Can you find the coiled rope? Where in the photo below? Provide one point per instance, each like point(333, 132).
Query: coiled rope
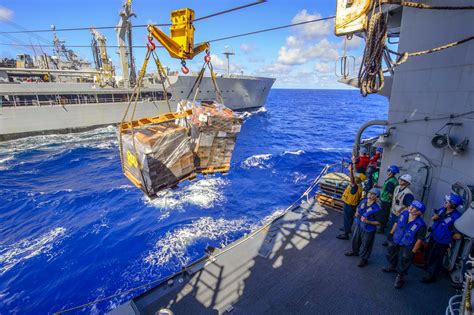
point(371, 78)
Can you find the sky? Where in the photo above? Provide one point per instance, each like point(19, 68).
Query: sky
point(298, 57)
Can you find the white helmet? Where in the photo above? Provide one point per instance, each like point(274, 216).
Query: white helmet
point(406, 177)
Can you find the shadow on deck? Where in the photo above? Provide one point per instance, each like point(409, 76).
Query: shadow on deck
point(294, 265)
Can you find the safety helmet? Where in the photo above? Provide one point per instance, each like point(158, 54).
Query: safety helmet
point(375, 191)
point(418, 205)
point(363, 150)
point(454, 199)
point(394, 169)
point(379, 150)
point(361, 177)
point(406, 177)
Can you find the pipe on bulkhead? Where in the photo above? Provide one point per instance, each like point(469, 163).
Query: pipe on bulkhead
point(355, 148)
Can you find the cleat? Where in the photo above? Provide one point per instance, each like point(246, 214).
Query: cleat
point(351, 254)
point(385, 244)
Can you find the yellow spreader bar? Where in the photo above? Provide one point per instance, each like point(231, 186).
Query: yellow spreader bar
point(154, 120)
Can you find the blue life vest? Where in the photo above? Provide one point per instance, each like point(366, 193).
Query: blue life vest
point(442, 228)
point(368, 212)
point(405, 233)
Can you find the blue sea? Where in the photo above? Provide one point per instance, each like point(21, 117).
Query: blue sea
point(73, 229)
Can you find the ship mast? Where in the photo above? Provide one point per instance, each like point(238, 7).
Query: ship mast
point(124, 42)
point(227, 54)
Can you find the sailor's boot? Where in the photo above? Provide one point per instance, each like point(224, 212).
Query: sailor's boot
point(399, 281)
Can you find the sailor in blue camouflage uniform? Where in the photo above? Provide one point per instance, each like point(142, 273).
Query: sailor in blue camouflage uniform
point(442, 233)
point(406, 238)
point(365, 226)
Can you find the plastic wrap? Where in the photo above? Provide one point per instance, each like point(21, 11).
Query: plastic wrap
point(163, 156)
point(214, 129)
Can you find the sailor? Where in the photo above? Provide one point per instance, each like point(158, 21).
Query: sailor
point(386, 195)
point(402, 198)
point(351, 198)
point(442, 233)
point(373, 167)
point(406, 238)
point(365, 226)
point(362, 160)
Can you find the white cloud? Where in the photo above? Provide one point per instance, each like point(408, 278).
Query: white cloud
point(324, 67)
point(294, 41)
point(291, 56)
point(5, 14)
point(220, 65)
point(312, 30)
point(246, 48)
point(324, 50)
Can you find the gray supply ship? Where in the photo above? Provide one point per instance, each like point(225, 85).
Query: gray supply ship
point(63, 93)
point(294, 264)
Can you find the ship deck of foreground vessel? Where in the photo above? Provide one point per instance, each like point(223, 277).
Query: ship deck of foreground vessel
point(294, 265)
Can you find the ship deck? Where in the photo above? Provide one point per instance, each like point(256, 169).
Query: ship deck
point(294, 265)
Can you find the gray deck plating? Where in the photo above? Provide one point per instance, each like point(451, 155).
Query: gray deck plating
point(295, 265)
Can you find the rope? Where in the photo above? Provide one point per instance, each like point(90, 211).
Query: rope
point(371, 78)
point(403, 57)
point(209, 41)
point(164, 78)
point(429, 7)
point(271, 29)
point(133, 26)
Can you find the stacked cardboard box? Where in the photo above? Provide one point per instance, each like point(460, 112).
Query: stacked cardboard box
point(160, 157)
point(214, 133)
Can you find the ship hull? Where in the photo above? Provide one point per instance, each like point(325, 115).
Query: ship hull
point(19, 121)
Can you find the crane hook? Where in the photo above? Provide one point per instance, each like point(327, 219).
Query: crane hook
point(150, 45)
point(184, 69)
point(207, 57)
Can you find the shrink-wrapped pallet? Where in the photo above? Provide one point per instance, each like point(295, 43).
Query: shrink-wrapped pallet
point(214, 133)
point(160, 157)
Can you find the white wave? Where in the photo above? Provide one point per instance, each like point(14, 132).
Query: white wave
point(11, 255)
point(298, 177)
point(298, 152)
point(250, 114)
point(258, 161)
point(175, 243)
point(204, 193)
point(4, 160)
point(100, 138)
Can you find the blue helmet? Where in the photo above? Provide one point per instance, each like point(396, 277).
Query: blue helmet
point(363, 150)
point(394, 169)
point(379, 150)
point(418, 205)
point(454, 199)
point(375, 191)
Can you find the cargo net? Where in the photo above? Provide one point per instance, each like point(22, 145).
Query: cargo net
point(160, 155)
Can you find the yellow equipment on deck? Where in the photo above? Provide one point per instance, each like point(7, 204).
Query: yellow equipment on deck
point(331, 188)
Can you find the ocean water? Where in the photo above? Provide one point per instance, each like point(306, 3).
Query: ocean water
point(73, 229)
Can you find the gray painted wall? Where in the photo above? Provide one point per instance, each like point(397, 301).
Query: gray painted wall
point(434, 85)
